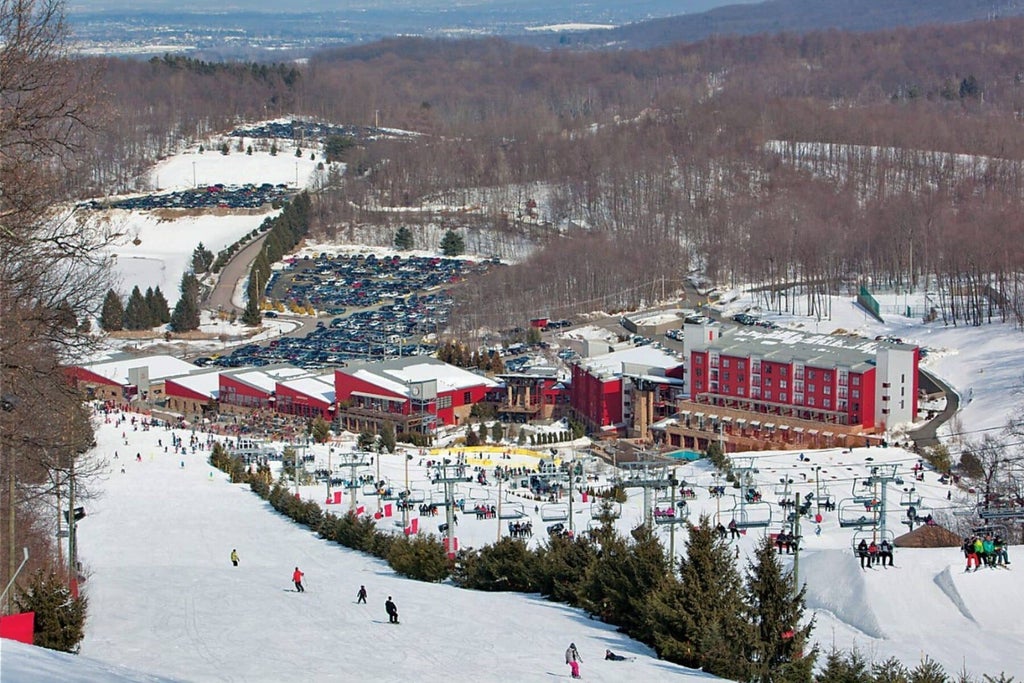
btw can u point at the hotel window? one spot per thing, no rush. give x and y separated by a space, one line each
782 384
725 362
467 397
828 389
854 393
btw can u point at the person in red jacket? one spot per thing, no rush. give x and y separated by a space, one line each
297 578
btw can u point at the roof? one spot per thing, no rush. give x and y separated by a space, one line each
205 382
396 374
788 346
266 379
160 368
649 358
316 387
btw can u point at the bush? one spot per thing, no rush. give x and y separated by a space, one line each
504 566
419 557
60 617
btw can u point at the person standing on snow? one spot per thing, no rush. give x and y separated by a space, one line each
392 611
361 595
297 579
234 557
573 659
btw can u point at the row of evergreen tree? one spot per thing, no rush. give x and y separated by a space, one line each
284 232
703 613
142 312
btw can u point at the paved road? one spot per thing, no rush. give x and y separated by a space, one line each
236 269
925 435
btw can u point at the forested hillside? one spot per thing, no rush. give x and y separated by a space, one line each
678 157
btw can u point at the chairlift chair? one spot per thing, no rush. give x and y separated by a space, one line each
369 490
853 513
512 511
910 497
674 515
752 515
554 512
874 535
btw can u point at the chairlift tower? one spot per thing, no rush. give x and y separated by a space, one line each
745 477
881 477
449 474
353 461
649 476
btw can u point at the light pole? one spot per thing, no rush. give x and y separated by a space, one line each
817 491
194 184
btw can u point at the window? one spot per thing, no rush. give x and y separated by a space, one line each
698 359
467 397
782 397
811 388
856 380
828 389
810 374
828 403
810 400
740 392
725 376
767 395
782 384
767 381
444 402
854 393
725 362
782 371
739 365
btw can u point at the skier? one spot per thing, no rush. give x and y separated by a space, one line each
297 578
392 611
234 557
361 595
573 659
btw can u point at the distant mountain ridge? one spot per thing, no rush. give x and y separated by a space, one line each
776 16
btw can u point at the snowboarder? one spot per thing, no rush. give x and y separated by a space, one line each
608 654
234 557
573 659
297 579
392 611
361 595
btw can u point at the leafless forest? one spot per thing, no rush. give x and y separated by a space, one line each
806 162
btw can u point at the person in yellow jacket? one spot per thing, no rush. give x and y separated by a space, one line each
234 557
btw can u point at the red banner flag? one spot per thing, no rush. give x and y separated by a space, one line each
18 627
415 526
361 510
337 497
387 510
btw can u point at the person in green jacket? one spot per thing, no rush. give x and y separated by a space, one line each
990 551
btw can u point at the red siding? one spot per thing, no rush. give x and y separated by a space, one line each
175 390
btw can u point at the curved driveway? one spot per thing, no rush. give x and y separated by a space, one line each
237 269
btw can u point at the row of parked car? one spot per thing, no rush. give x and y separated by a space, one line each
311 131
333 283
387 331
211 196
750 320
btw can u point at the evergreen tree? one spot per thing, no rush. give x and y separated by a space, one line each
562 563
273 149
776 610
693 630
159 309
847 667
59 616
616 585
481 433
387 437
112 315
403 239
928 671
321 430
452 244
336 146
136 312
503 566
497 431
185 317
202 259
472 439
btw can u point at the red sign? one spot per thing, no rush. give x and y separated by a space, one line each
18 627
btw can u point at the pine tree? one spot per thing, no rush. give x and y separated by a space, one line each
503 566
403 239
497 431
616 585
160 310
452 244
202 259
693 629
776 610
186 312
112 315
136 312
562 563
387 437
321 430
59 616
848 667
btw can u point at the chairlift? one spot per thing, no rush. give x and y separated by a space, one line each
873 535
511 511
854 513
369 489
989 529
415 496
910 497
784 487
752 515
554 512
673 515
862 497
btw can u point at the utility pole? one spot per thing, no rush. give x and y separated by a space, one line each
672 482
500 479
572 476
817 491
72 541
795 531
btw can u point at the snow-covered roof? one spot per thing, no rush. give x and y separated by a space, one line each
650 358
205 382
317 387
160 367
786 346
267 378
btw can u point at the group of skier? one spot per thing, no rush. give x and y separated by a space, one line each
988 549
871 553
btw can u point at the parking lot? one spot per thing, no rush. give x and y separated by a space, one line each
208 197
383 307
